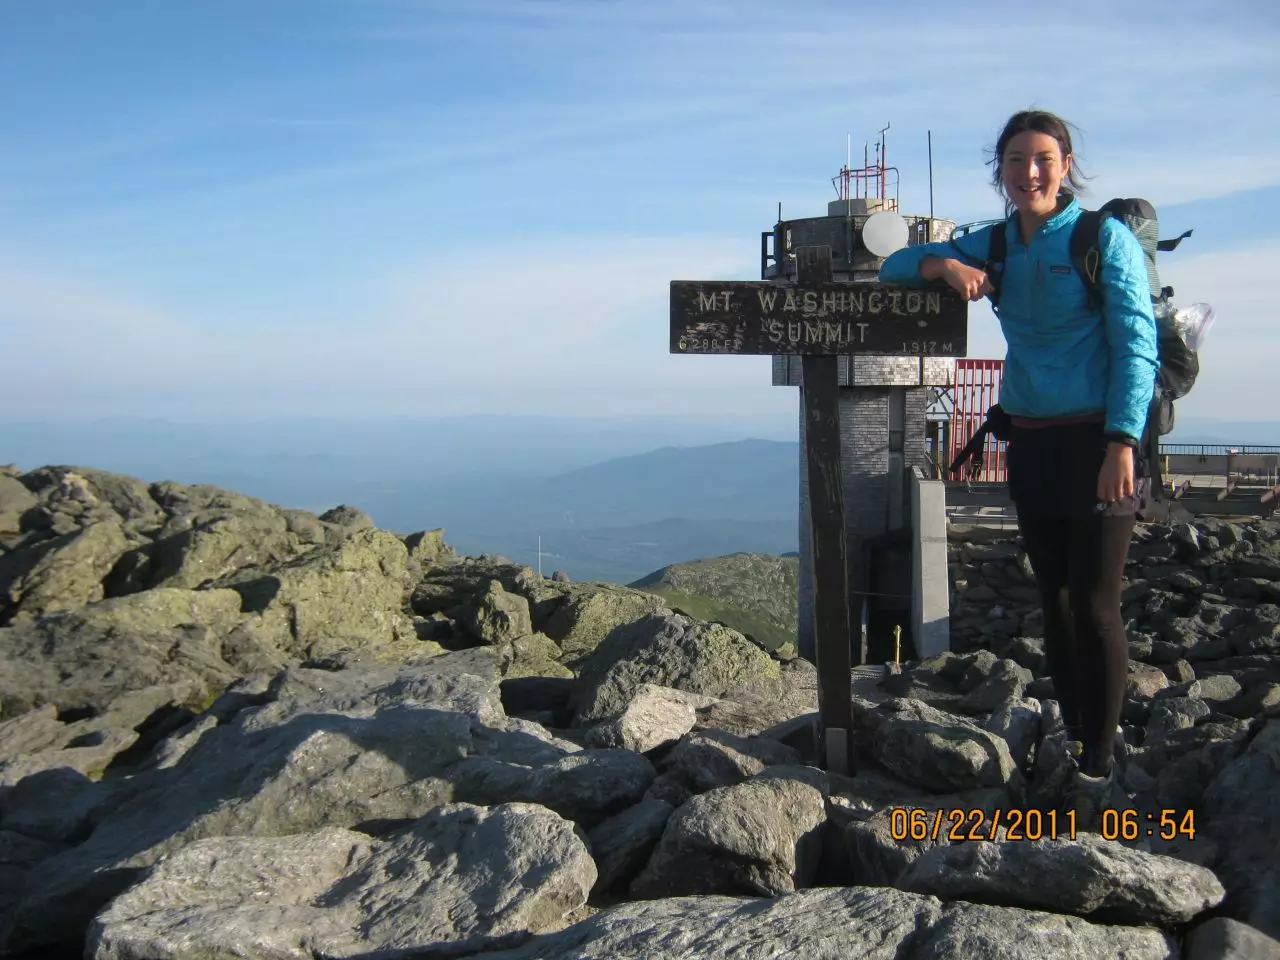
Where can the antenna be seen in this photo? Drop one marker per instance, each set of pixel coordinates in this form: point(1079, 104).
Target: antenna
point(882, 150)
point(931, 176)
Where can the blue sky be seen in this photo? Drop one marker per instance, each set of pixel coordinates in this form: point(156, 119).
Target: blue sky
point(279, 207)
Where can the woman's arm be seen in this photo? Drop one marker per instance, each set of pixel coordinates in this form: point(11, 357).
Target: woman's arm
point(1130, 328)
point(912, 266)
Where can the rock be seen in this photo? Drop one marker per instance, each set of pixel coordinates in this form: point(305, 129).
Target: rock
point(157, 637)
point(347, 516)
point(1102, 880)
point(332, 598)
point(655, 717)
point(1004, 684)
point(60, 574)
point(536, 655)
point(759, 837)
point(15, 501)
point(1018, 723)
point(881, 846)
point(1174, 713)
point(929, 748)
point(427, 546)
point(1221, 938)
point(713, 758)
point(581, 622)
point(623, 844)
point(462, 877)
point(498, 617)
point(1241, 816)
point(828, 923)
point(673, 650)
point(1145, 681)
point(214, 551)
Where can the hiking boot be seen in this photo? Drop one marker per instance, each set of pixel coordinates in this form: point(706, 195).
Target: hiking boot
point(1089, 796)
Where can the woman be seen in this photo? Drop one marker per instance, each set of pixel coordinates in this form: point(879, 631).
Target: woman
point(1077, 385)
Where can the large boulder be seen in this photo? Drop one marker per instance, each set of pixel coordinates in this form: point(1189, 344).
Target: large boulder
point(834, 923)
point(333, 597)
point(672, 650)
point(62, 573)
point(1240, 815)
point(461, 877)
point(82, 660)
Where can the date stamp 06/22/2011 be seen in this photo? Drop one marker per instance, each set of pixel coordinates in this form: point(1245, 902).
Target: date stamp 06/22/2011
point(1125, 823)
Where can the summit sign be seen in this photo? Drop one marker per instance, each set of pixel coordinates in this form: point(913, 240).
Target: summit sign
point(763, 317)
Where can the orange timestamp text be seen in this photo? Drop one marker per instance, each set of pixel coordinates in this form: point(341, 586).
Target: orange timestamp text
point(957, 824)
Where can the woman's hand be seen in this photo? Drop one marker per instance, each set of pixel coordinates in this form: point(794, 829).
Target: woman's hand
point(1115, 479)
point(970, 282)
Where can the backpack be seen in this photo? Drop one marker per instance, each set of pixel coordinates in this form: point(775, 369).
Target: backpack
point(1178, 364)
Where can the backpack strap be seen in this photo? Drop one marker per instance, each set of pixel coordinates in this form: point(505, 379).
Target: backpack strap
point(997, 252)
point(997, 424)
point(1086, 253)
point(1164, 246)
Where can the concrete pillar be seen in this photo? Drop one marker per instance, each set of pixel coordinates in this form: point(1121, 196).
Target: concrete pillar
point(930, 578)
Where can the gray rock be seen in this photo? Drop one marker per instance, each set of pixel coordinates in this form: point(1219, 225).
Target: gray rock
point(655, 717)
point(428, 546)
point(15, 500)
point(623, 844)
point(712, 758)
point(1241, 816)
point(1102, 880)
point(673, 650)
point(63, 573)
point(1003, 684)
point(1145, 681)
point(1222, 938)
point(882, 846)
point(1019, 724)
point(1172, 714)
point(158, 637)
point(835, 923)
point(335, 597)
point(762, 837)
point(498, 617)
point(208, 552)
point(930, 748)
point(462, 879)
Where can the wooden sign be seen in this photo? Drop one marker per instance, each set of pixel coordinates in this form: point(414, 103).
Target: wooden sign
point(821, 318)
point(760, 317)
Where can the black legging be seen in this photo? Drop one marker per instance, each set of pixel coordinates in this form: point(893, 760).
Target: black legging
point(1079, 566)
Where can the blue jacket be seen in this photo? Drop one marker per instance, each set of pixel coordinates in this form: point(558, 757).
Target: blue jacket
point(1063, 359)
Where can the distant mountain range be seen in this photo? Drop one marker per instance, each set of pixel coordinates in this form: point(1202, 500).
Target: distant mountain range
point(612, 499)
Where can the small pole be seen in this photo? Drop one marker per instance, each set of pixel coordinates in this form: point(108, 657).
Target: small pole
point(539, 556)
point(897, 644)
point(931, 180)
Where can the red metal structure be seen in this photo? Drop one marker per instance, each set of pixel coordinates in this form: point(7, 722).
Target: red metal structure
point(858, 183)
point(976, 388)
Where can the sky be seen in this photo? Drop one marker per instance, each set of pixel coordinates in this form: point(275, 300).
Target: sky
point(262, 208)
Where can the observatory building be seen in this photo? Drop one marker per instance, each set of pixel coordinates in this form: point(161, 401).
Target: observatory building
point(887, 424)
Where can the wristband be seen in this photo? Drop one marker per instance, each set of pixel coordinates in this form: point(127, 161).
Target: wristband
point(1121, 438)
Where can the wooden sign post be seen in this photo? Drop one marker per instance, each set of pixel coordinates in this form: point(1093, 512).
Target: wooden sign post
point(821, 319)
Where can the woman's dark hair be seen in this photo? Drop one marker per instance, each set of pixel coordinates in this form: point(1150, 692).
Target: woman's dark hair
point(1038, 121)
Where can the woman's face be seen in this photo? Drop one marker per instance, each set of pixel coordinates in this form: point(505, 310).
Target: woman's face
point(1032, 169)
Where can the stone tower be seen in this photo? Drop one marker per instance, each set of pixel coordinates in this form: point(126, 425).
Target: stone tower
point(883, 403)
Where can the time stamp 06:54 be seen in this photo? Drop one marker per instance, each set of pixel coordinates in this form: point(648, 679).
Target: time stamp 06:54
point(918, 823)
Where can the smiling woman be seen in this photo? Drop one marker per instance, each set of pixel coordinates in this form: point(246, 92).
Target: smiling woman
point(1078, 383)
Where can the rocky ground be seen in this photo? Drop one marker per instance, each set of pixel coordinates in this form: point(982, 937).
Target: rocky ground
point(233, 730)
